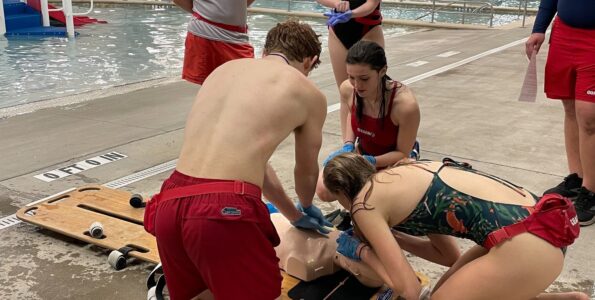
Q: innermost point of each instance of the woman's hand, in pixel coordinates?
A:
(347, 147)
(349, 246)
(342, 6)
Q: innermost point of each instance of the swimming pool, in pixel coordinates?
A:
(138, 43)
(398, 10)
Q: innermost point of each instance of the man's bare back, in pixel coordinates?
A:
(245, 109)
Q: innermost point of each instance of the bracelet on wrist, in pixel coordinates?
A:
(359, 251)
(350, 142)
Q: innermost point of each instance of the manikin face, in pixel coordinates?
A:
(364, 79)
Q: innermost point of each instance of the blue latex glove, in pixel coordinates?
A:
(307, 222)
(315, 213)
(335, 18)
(414, 154)
(386, 295)
(371, 159)
(347, 245)
(347, 147)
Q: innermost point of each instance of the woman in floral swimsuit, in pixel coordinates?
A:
(518, 235)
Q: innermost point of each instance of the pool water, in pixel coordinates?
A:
(392, 11)
(138, 43)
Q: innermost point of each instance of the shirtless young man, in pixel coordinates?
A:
(218, 235)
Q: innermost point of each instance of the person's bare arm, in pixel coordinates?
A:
(365, 9)
(440, 249)
(184, 4)
(346, 92)
(308, 139)
(400, 276)
(408, 116)
(272, 189)
(328, 3)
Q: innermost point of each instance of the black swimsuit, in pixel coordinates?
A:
(354, 30)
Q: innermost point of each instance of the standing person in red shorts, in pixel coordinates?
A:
(570, 76)
(217, 33)
(213, 230)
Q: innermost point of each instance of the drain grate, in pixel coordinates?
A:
(138, 176)
(9, 221)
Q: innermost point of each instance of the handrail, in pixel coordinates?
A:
(74, 14)
(476, 10)
(87, 12)
(68, 14)
(2, 19)
(434, 10)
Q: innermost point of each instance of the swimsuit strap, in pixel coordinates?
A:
(449, 162)
(467, 167)
(392, 98)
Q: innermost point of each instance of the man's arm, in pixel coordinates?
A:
(184, 4)
(308, 139)
(272, 189)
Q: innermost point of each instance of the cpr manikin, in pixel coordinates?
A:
(308, 255)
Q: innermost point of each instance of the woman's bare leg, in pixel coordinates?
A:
(375, 35)
(520, 268)
(338, 54)
(470, 255)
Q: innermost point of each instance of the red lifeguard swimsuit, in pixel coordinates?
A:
(376, 136)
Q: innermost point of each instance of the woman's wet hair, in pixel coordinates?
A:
(346, 174)
(295, 39)
(371, 54)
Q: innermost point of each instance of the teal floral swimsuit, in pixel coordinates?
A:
(445, 210)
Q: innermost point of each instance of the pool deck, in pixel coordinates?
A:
(469, 111)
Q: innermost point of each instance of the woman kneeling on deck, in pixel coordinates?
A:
(379, 116)
(520, 237)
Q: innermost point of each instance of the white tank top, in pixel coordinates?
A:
(230, 12)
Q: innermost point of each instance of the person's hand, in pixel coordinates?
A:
(307, 222)
(347, 245)
(342, 6)
(335, 18)
(534, 43)
(371, 159)
(347, 147)
(315, 213)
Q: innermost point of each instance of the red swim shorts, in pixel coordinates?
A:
(202, 56)
(570, 67)
(220, 241)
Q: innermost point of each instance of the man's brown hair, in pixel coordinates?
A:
(294, 39)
